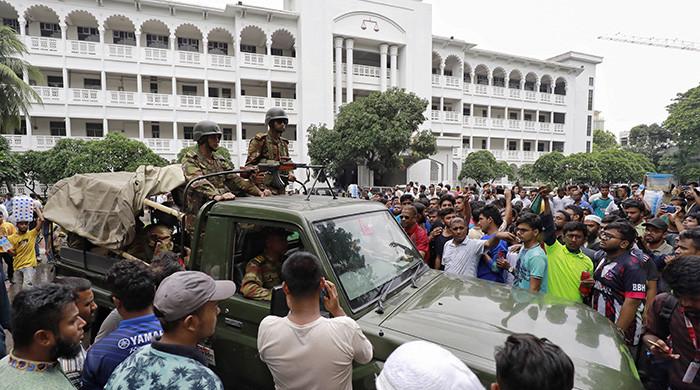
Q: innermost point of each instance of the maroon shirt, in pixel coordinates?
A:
(420, 239)
(680, 341)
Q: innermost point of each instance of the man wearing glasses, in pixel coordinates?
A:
(620, 280)
(270, 147)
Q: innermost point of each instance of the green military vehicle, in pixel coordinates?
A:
(383, 285)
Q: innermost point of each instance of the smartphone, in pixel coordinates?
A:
(670, 209)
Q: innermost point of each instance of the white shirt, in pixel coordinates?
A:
(558, 204)
(463, 258)
(314, 356)
(3, 211)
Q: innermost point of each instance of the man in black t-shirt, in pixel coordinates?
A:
(439, 236)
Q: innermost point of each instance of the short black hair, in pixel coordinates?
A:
(679, 199)
(625, 229)
(610, 218)
(406, 197)
(566, 215)
(38, 308)
(302, 274)
(75, 283)
(475, 206)
(693, 235)
(695, 215)
(133, 283)
(574, 226)
(442, 213)
(683, 275)
(633, 204)
(526, 362)
(604, 185)
(420, 207)
(165, 264)
(491, 211)
(447, 197)
(432, 210)
(577, 210)
(530, 219)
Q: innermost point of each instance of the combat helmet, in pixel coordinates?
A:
(205, 128)
(275, 113)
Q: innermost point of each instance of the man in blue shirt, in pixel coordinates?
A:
(489, 221)
(133, 288)
(531, 271)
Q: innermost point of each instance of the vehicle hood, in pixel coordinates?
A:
(471, 316)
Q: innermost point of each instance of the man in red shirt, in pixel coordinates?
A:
(409, 222)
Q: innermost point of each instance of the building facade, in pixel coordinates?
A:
(151, 69)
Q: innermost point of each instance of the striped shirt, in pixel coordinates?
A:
(103, 357)
(74, 367)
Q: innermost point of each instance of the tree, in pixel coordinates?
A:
(525, 174)
(684, 124)
(481, 166)
(581, 168)
(16, 96)
(58, 158)
(10, 171)
(622, 166)
(604, 140)
(379, 130)
(114, 153)
(221, 152)
(34, 168)
(548, 169)
(652, 141)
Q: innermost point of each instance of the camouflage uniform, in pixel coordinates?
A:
(195, 165)
(267, 148)
(261, 275)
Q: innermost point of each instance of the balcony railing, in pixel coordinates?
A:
(153, 54)
(436, 80)
(514, 124)
(497, 123)
(514, 93)
(221, 104)
(452, 116)
(188, 57)
(531, 96)
(45, 142)
(366, 71)
(466, 120)
(14, 141)
(83, 48)
(529, 125)
(124, 52)
(558, 127)
(81, 95)
(285, 104)
(498, 91)
(49, 94)
(44, 44)
(466, 87)
(560, 99)
(544, 126)
(253, 59)
(452, 82)
(481, 89)
(188, 101)
(545, 97)
(435, 116)
(254, 103)
(497, 153)
(156, 100)
(159, 145)
(121, 98)
(220, 61)
(282, 62)
(481, 121)
(232, 146)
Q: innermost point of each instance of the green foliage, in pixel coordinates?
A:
(481, 166)
(581, 168)
(10, 171)
(652, 141)
(34, 169)
(379, 130)
(621, 166)
(604, 140)
(547, 168)
(114, 153)
(16, 96)
(684, 124)
(525, 174)
(221, 152)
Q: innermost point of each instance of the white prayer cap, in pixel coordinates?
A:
(420, 365)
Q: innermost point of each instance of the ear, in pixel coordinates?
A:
(45, 338)
(117, 302)
(285, 288)
(191, 323)
(494, 386)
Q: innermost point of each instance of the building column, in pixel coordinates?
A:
(268, 47)
(64, 30)
(338, 44)
(471, 142)
(488, 113)
(522, 114)
(505, 147)
(207, 104)
(101, 32)
(174, 129)
(68, 129)
(22, 26)
(173, 42)
(393, 54)
(137, 37)
(28, 126)
(551, 119)
(174, 91)
(105, 126)
(269, 93)
(205, 48)
(349, 45)
(141, 132)
(383, 51)
(550, 145)
(488, 143)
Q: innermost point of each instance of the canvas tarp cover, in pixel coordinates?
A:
(102, 207)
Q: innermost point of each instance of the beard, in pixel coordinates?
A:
(65, 349)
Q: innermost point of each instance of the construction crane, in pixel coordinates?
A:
(652, 41)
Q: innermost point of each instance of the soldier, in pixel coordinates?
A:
(262, 272)
(202, 161)
(270, 147)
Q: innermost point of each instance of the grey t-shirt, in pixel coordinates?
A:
(108, 325)
(463, 258)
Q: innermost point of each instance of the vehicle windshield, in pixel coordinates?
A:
(366, 251)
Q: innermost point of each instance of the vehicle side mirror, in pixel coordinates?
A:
(278, 304)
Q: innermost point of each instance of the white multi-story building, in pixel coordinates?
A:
(151, 69)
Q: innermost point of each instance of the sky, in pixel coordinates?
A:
(634, 83)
